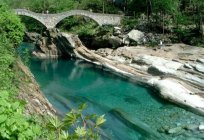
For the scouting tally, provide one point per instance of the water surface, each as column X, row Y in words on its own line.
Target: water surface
column 132, row 111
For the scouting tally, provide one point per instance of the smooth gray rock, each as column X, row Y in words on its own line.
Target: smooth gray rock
column 175, row 130
column 160, row 70
column 188, row 66
column 191, row 127
column 200, row 60
column 136, row 35
column 199, row 68
column 115, row 41
column 156, row 61
column 201, row 127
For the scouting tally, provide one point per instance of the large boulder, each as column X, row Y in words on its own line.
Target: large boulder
column 136, row 35
column 115, row 41
column 174, row 91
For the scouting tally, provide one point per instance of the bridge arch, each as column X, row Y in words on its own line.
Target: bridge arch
column 27, row 13
column 78, row 13
column 76, row 20
column 51, row 20
column 38, row 25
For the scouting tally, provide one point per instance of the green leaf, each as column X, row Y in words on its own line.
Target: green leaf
column 80, row 131
column 4, row 103
column 55, row 123
column 10, row 121
column 82, row 107
column 100, row 120
column 4, row 94
column 71, row 118
column 3, row 118
column 92, row 116
column 15, row 105
column 64, row 135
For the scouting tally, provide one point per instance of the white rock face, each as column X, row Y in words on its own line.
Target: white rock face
column 117, row 28
column 160, row 70
column 194, row 79
column 188, row 66
column 200, row 60
column 157, row 62
column 175, row 92
column 73, row 40
column 199, row 68
column 136, row 35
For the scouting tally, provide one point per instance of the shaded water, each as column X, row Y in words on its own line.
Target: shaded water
column 132, row 111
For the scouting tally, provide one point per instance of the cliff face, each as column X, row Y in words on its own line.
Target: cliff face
column 51, row 44
column 29, row 91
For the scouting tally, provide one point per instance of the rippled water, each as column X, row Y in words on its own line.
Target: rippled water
column 132, row 111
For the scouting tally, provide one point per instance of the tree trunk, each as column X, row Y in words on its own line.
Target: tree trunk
column 162, row 23
column 202, row 30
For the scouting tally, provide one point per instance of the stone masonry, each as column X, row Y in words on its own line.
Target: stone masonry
column 51, row 20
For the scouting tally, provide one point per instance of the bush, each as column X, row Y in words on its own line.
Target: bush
column 129, row 23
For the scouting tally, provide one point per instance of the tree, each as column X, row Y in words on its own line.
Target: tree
column 199, row 4
column 164, row 8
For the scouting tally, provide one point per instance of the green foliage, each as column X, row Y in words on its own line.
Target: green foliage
column 43, row 5
column 13, row 123
column 166, row 6
column 7, row 58
column 76, row 121
column 32, row 25
column 94, row 5
column 130, row 22
column 79, row 25
column 11, row 27
column 98, row 6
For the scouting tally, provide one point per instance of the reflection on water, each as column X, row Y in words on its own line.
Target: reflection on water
column 133, row 112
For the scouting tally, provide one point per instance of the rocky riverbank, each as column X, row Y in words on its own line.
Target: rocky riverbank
column 29, row 91
column 176, row 71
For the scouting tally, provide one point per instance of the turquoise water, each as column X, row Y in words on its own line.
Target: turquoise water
column 132, row 111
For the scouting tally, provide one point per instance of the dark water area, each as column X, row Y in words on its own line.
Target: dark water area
column 132, row 111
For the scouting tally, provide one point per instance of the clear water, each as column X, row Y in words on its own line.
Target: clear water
column 132, row 111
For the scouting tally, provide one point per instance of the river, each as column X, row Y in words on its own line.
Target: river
column 132, row 111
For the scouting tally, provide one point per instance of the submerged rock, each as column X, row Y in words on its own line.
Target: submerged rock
column 136, row 124
column 191, row 127
column 201, row 127
column 175, row 130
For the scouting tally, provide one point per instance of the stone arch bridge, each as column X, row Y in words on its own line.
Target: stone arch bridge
column 51, row 20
